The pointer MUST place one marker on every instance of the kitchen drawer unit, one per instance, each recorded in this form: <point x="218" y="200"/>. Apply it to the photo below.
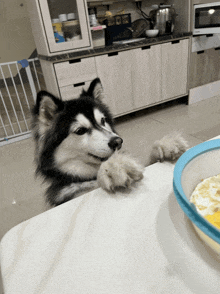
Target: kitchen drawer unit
<point x="75" y="71"/>
<point x="73" y="91"/>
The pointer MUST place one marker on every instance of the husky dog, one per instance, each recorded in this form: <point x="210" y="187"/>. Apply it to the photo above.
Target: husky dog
<point x="77" y="147"/>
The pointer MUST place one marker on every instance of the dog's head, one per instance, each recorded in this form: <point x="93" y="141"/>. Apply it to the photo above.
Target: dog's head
<point x="78" y="130"/>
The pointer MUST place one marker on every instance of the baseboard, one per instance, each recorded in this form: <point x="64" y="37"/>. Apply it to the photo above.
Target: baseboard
<point x="204" y="92"/>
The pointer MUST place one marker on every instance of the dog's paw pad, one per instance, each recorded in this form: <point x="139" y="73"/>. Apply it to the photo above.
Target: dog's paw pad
<point x="170" y="147"/>
<point x="120" y="171"/>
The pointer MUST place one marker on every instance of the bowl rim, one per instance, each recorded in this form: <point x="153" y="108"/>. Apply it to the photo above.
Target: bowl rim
<point x="151" y="30"/>
<point x="188" y="207"/>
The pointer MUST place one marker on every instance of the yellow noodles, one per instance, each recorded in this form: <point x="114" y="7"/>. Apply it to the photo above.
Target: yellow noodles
<point x="206" y="198"/>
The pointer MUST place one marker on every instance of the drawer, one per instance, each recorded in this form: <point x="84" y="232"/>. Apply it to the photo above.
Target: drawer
<point x="75" y="71"/>
<point x="73" y="91"/>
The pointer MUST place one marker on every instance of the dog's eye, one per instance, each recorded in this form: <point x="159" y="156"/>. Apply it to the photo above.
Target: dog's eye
<point x="81" y="131"/>
<point x="102" y="121"/>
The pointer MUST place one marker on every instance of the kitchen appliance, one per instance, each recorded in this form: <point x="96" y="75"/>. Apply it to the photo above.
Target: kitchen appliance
<point x="163" y="18"/>
<point x="206" y="19"/>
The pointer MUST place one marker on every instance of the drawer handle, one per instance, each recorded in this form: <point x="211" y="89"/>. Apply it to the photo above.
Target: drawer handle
<point x="217" y="48"/>
<point x="74" y="60"/>
<point x="175" y="42"/>
<point x="79" y="85"/>
<point x="112" y="53"/>
<point x="200" y="52"/>
<point x="145" y="47"/>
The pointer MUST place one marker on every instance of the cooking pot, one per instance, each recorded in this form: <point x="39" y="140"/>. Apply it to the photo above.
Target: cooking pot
<point x="163" y="18"/>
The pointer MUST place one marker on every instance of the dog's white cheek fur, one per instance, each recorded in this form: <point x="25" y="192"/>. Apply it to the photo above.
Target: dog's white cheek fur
<point x="120" y="170"/>
<point x="97" y="143"/>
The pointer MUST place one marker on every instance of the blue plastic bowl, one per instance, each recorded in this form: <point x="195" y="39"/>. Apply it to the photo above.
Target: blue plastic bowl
<point x="199" y="162"/>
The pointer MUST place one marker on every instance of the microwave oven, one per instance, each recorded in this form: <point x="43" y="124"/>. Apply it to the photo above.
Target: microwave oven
<point x="206" y="19"/>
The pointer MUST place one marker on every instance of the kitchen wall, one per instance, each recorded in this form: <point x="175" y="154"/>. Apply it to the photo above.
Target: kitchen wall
<point x="16" y="37"/>
<point x="182" y="8"/>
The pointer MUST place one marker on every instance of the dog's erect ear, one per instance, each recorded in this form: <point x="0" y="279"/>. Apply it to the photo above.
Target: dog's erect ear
<point x="96" y="90"/>
<point x="47" y="106"/>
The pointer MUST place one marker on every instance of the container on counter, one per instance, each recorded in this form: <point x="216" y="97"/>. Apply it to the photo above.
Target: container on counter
<point x="57" y="29"/>
<point x="92" y="17"/>
<point x="98" y="36"/>
<point x="62" y="17"/>
<point x="71" y="30"/>
<point x="71" y="16"/>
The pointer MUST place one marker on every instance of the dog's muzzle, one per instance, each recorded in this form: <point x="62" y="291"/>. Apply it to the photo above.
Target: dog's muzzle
<point x="115" y="143"/>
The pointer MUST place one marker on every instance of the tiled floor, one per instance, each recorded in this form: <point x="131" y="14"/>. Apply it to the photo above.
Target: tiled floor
<point x="21" y="194"/>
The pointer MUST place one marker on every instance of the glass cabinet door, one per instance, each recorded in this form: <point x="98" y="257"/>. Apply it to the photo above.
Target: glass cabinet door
<point x="65" y="24"/>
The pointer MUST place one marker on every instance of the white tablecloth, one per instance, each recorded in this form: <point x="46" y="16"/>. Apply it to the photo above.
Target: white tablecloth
<point x="137" y="242"/>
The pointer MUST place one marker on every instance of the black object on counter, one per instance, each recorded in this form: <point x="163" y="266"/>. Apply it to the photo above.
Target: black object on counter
<point x="118" y="28"/>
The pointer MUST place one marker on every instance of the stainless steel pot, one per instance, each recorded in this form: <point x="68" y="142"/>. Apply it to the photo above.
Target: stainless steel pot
<point x="163" y="18"/>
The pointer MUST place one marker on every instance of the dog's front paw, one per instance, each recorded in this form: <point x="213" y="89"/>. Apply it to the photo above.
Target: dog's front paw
<point x="170" y="147"/>
<point x="119" y="170"/>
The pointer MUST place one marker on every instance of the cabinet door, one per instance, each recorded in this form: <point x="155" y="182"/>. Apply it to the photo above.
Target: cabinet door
<point x="76" y="32"/>
<point x="174" y="69"/>
<point x="204" y="67"/>
<point x="114" y="71"/>
<point x="146" y="75"/>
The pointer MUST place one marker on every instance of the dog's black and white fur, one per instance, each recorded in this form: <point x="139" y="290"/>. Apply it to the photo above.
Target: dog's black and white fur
<point x="77" y="146"/>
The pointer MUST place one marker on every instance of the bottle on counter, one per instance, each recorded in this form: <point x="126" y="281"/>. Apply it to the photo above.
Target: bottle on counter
<point x="92" y="17"/>
<point x="57" y="29"/>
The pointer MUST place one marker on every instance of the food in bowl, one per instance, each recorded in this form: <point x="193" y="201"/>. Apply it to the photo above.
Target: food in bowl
<point x="151" y="33"/>
<point x="214" y="219"/>
<point x="199" y="162"/>
<point x="206" y="198"/>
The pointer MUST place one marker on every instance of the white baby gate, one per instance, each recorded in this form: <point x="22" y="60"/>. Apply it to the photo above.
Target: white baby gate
<point x="19" y="83"/>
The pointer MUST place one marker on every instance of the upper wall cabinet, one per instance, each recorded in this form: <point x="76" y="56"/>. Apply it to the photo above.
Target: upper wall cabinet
<point x="60" y="26"/>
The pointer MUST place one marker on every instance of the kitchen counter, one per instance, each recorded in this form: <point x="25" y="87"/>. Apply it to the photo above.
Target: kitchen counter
<point x="123" y="243"/>
<point x="114" y="47"/>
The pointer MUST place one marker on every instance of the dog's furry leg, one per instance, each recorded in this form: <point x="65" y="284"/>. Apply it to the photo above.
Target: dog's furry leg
<point x="120" y="170"/>
<point x="57" y="195"/>
<point x="170" y="147"/>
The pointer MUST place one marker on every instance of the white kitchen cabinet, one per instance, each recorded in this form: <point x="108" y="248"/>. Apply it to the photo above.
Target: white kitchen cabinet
<point x="146" y="75"/>
<point x="174" y="68"/>
<point x="115" y="73"/>
<point x="76" y="33"/>
<point x="132" y="79"/>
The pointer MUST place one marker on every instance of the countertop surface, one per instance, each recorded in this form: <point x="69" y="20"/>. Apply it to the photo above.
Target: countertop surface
<point x="116" y="47"/>
<point x="129" y="242"/>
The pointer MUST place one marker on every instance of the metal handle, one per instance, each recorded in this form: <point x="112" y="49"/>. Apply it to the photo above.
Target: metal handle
<point x="175" y="42"/>
<point x="145" y="47"/>
<point x="112" y="54"/>
<point x="75" y="60"/>
<point x="200" y="52"/>
<point x="79" y="84"/>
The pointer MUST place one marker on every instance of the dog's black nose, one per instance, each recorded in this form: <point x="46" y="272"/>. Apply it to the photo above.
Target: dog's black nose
<point x="115" y="143"/>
